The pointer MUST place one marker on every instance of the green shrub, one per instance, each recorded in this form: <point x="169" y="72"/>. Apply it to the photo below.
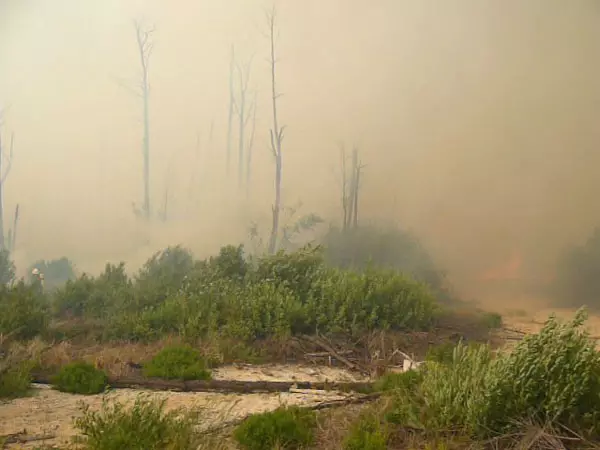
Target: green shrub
<point x="262" y="310"/>
<point x="7" y="268"/>
<point x="405" y="381"/>
<point x="367" y="434"/>
<point x="144" y="426"/>
<point x="348" y="301"/>
<point x="552" y="376"/>
<point x="386" y="248"/>
<point x="96" y="297"/>
<point x="296" y="270"/>
<point x="163" y="274"/>
<point x="56" y="272"/>
<point x="80" y="378"/>
<point x="23" y="311"/>
<point x="180" y="362"/>
<point x="15" y="381"/>
<point x="287" y="428"/>
<point x="442" y="353"/>
<point x="492" y="320"/>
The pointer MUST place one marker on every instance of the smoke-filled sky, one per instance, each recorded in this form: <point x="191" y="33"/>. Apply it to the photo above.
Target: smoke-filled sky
<point x="478" y="122"/>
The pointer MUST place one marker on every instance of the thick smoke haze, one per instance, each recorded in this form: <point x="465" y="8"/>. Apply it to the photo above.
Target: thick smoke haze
<point x="478" y="122"/>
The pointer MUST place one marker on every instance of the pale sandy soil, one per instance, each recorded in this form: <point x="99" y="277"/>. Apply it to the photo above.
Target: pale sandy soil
<point x="49" y="411"/>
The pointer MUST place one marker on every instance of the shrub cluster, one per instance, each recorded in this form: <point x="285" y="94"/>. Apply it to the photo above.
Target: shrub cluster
<point x="550" y="377"/>
<point x="270" y="296"/>
<point x="177" y="363"/>
<point x="284" y="428"/>
<point x="144" y="426"/>
<point x="80" y="378"/>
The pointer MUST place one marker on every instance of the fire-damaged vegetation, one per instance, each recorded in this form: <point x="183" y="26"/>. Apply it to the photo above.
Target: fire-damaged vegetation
<point x="234" y="307"/>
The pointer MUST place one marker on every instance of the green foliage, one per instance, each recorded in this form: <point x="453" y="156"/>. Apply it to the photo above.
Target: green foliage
<point x="15" y="381"/>
<point x="550" y="377"/>
<point x="23" y="311"/>
<point x="367" y="434"/>
<point x="95" y="297"/>
<point x="343" y="300"/>
<point x="442" y="353"/>
<point x="181" y="362"/>
<point x="163" y="274"/>
<point x="296" y="271"/>
<point x="401" y="381"/>
<point x="144" y="426"/>
<point x="80" y="378"/>
<point x="230" y="263"/>
<point x="492" y="320"/>
<point x="56" y="272"/>
<point x="388" y="248"/>
<point x="284" y="428"/>
<point x="7" y="268"/>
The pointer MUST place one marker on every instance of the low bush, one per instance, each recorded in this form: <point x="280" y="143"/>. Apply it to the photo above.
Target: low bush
<point x="550" y="377"/>
<point x="179" y="362"/>
<point x="404" y="381"/>
<point x="348" y="301"/>
<point x="367" y="433"/>
<point x="23" y="311"/>
<point x="80" y="378"/>
<point x="7" y="268"/>
<point x="144" y="426"/>
<point x="96" y="297"/>
<point x="386" y="248"/>
<point x="284" y="428"/>
<point x="15" y="381"/>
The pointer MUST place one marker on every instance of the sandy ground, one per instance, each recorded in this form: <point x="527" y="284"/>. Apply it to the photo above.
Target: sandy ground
<point x="51" y="412"/>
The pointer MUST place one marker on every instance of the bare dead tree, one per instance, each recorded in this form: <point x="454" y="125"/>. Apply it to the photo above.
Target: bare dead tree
<point x="145" y="48"/>
<point x="242" y="109"/>
<point x="344" y="186"/>
<point x="6" y="160"/>
<point x="350" y="188"/>
<point x="250" y="148"/>
<point x="12" y="232"/>
<point x="276" y="134"/>
<point x="231" y="106"/>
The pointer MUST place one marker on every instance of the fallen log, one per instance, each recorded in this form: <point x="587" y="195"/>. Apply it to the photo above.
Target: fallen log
<point x="23" y="438"/>
<point x="225" y="386"/>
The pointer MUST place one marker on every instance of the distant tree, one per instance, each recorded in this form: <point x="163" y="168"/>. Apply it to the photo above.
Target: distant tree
<point x="350" y="188"/>
<point x="141" y="89"/>
<point x="6" y="160"/>
<point x="243" y="110"/>
<point x="276" y="134"/>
